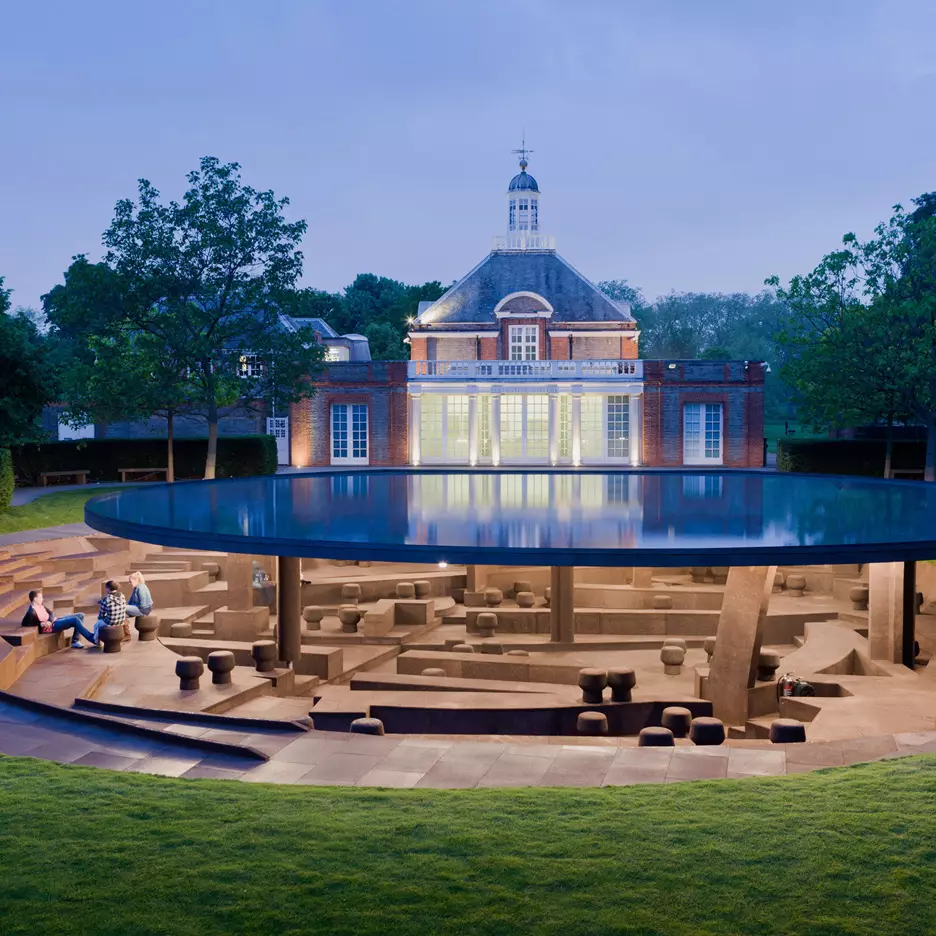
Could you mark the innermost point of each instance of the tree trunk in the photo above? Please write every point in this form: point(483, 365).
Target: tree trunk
point(930, 472)
point(889, 446)
point(170, 460)
point(212, 459)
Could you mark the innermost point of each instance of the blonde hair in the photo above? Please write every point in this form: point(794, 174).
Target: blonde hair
point(136, 578)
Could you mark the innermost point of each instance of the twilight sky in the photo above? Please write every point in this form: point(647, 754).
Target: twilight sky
point(680, 145)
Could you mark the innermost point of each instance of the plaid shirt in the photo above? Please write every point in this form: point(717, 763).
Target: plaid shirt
point(113, 608)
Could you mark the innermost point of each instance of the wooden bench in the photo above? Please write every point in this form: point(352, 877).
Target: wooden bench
point(143, 471)
point(80, 474)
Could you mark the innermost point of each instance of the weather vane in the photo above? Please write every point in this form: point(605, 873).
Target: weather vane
point(522, 152)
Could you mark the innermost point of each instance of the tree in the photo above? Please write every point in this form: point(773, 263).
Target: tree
point(622, 291)
point(27, 383)
point(861, 346)
point(201, 279)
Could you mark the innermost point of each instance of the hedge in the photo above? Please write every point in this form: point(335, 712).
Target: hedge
point(847, 456)
point(238, 456)
point(6, 479)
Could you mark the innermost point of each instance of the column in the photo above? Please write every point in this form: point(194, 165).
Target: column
point(562, 604)
point(476, 578)
point(495, 426)
point(738, 641)
point(238, 574)
point(634, 427)
point(576, 421)
point(885, 611)
point(643, 577)
point(554, 429)
point(415, 422)
point(473, 427)
point(289, 609)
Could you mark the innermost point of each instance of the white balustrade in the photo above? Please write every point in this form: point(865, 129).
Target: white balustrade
point(525, 370)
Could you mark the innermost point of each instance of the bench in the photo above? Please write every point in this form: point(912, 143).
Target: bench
point(80, 474)
point(915, 474)
point(144, 472)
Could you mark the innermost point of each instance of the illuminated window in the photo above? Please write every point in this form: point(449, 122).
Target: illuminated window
point(249, 366)
point(349, 432)
point(511, 426)
point(484, 426)
point(430, 426)
point(702, 433)
point(456, 428)
point(524, 343)
point(618, 426)
point(565, 427)
point(537, 426)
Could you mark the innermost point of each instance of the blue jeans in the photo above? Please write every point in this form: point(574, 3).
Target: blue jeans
point(134, 611)
point(76, 621)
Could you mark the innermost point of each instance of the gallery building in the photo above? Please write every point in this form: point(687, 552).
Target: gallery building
point(525, 362)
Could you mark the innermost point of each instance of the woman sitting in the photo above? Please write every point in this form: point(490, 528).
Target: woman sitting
point(141, 601)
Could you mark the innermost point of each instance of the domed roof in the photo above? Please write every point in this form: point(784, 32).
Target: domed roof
point(523, 182)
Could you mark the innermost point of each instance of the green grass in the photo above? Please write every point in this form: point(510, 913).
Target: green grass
point(848, 851)
point(49, 510)
point(777, 430)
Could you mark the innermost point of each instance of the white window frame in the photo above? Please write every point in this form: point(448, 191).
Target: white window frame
point(700, 420)
point(524, 456)
point(249, 366)
point(523, 341)
point(350, 433)
point(602, 425)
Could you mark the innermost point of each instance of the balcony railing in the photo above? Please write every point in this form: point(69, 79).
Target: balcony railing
point(524, 240)
point(525, 370)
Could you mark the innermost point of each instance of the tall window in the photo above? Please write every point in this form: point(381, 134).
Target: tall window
point(534, 215)
point(524, 343)
point(702, 433)
point(537, 426)
point(617, 434)
point(524, 215)
point(349, 432)
point(565, 426)
point(430, 426)
point(513, 214)
point(484, 426)
point(456, 428)
point(511, 426)
point(605, 427)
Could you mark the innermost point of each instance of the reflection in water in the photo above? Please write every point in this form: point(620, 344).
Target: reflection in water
point(540, 509)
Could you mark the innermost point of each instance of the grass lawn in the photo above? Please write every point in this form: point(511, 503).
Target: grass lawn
point(49, 510)
point(846, 851)
point(777, 430)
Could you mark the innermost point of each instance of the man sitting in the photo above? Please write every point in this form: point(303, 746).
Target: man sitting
point(113, 609)
point(38, 615)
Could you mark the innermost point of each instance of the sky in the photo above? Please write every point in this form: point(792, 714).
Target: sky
point(682, 145)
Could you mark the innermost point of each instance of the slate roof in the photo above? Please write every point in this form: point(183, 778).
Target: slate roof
point(473, 298)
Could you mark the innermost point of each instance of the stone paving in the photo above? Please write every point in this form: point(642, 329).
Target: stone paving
point(403, 761)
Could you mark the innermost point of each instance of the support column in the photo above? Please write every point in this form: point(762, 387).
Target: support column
point(415, 422)
point(495, 427)
point(643, 577)
point(238, 574)
point(738, 641)
point(886, 611)
point(476, 578)
point(553, 429)
point(562, 604)
point(288, 609)
point(634, 427)
point(576, 421)
point(473, 429)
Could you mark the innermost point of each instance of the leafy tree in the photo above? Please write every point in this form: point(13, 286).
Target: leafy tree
point(622, 291)
point(862, 341)
point(201, 279)
point(27, 383)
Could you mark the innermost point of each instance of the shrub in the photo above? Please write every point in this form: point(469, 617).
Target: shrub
point(238, 456)
point(6, 478)
point(847, 456)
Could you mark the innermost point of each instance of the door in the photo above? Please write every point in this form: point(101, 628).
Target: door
point(702, 434)
point(349, 434)
point(278, 427)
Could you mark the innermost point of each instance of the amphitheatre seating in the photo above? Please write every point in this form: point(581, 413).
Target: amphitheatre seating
point(490, 647)
point(526, 599)
point(350, 593)
point(405, 590)
point(592, 723)
point(313, 614)
point(787, 731)
point(349, 617)
point(768, 662)
point(189, 670)
point(370, 726)
point(709, 647)
point(487, 623)
point(622, 680)
point(423, 588)
point(672, 658)
point(592, 682)
point(180, 629)
point(655, 737)
point(146, 626)
point(674, 642)
point(462, 648)
point(264, 653)
point(493, 597)
point(111, 636)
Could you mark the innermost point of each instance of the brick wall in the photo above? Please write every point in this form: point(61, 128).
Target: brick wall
point(489, 348)
point(418, 348)
point(455, 348)
point(595, 348)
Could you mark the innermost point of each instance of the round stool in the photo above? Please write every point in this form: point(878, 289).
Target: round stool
point(147, 626)
point(462, 648)
point(677, 719)
point(367, 726)
point(672, 659)
point(213, 570)
point(547, 595)
point(405, 590)
point(720, 575)
point(525, 599)
point(264, 655)
point(674, 642)
point(655, 737)
point(858, 596)
point(220, 663)
point(525, 653)
point(706, 730)
point(422, 588)
point(787, 731)
point(796, 585)
point(778, 583)
point(189, 670)
point(433, 671)
point(591, 723)
point(698, 574)
point(111, 637)
point(312, 615)
point(662, 602)
point(768, 662)
point(349, 617)
point(489, 646)
point(592, 682)
point(350, 593)
point(493, 597)
point(487, 623)
point(621, 679)
point(709, 646)
point(180, 629)
point(522, 586)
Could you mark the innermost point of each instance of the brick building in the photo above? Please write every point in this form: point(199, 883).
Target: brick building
point(526, 362)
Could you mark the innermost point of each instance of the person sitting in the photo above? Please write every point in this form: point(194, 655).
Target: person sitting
point(140, 602)
point(38, 615)
point(113, 610)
